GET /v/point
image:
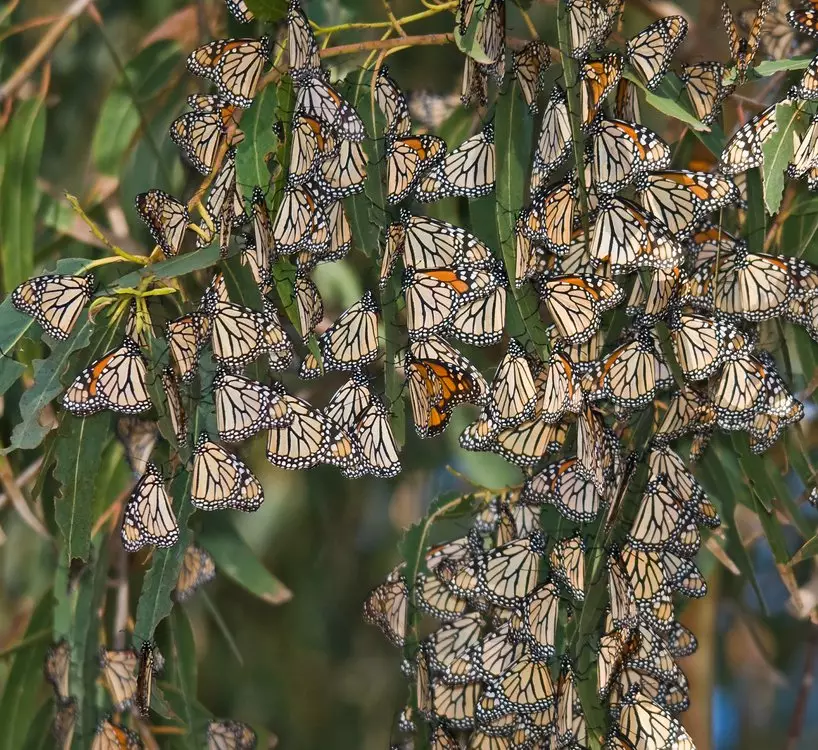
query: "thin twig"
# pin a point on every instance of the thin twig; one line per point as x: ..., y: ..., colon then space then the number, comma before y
x: 424, y: 40
x: 24, y: 477
x: 18, y: 500
x: 807, y: 678
x: 43, y: 49
x: 391, y: 16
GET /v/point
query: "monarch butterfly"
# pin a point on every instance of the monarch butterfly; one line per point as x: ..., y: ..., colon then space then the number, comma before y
x: 138, y: 438
x: 149, y: 517
x: 576, y: 303
x: 489, y: 31
x: 115, y: 382
x: 234, y: 65
x: 623, y: 149
x: 549, y: 219
x: 239, y: 10
x: 507, y: 574
x: 585, y: 19
x: 683, y: 576
x: 529, y: 66
x: 681, y: 200
x: 186, y: 336
x: 496, y: 652
x: 627, y: 101
x: 567, y: 561
x: 523, y: 444
x: 663, y: 461
x: 431, y: 243
x: 571, y: 725
x: 392, y: 103
x: 311, y: 438
x: 481, y: 322
x: 513, y: 395
x: 436, y: 599
x: 56, y: 669
x: 597, y: 79
x: 378, y: 448
x: 474, y: 89
x: 704, y: 84
x: 562, y: 486
x: 150, y: 663
x: 245, y: 407
x: 643, y: 569
x: 779, y: 40
x: 650, y: 305
x: 176, y: 413
x: 742, y: 51
x: 807, y: 88
x: 55, y: 301
x: 349, y: 401
x: 738, y: 393
x: 387, y: 607
x: 225, y: 204
x: 310, y: 367
x: 454, y: 705
x: 198, y: 568
x: 308, y: 302
x: 652, y: 49
x: 447, y: 649
x: 745, y: 149
x: 629, y: 238
x: 301, y: 45
x: 597, y: 450
x: 320, y: 100
x: 467, y: 171
x: 258, y: 249
x: 200, y: 134
x: 230, y: 735
x: 300, y: 223
x: 239, y: 335
x: 558, y: 388
x: 352, y: 341
x: 540, y: 616
x: 341, y: 174
x: 439, y: 378
x: 631, y: 375
x: 109, y: 736
x: 805, y: 20
x: 805, y: 159
x: 312, y: 143
x: 614, y: 645
x: 527, y: 256
x: 527, y: 685
x: 119, y: 674
x: 680, y: 641
x: 407, y: 158
x: 166, y: 218
x: 642, y: 724
x: 660, y: 517
x: 221, y: 481
x: 554, y: 140
x: 434, y: 295
x: 701, y: 343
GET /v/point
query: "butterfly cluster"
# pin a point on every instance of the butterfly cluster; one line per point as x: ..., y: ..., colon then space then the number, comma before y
x: 491, y: 621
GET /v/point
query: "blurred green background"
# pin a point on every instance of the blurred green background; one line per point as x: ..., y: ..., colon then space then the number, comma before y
x: 311, y: 671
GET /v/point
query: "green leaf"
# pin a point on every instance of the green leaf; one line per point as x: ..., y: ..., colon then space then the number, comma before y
x: 181, y: 265
x: 467, y: 42
x: 237, y: 561
x: 50, y: 375
x: 79, y: 446
x: 252, y: 156
x: 154, y: 603
x: 778, y: 150
x: 183, y: 673
x: 771, y: 67
x: 40, y: 736
x: 22, y: 146
x: 23, y: 690
x: 268, y: 10
x: 755, y: 229
x: 143, y: 78
x: 512, y: 140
